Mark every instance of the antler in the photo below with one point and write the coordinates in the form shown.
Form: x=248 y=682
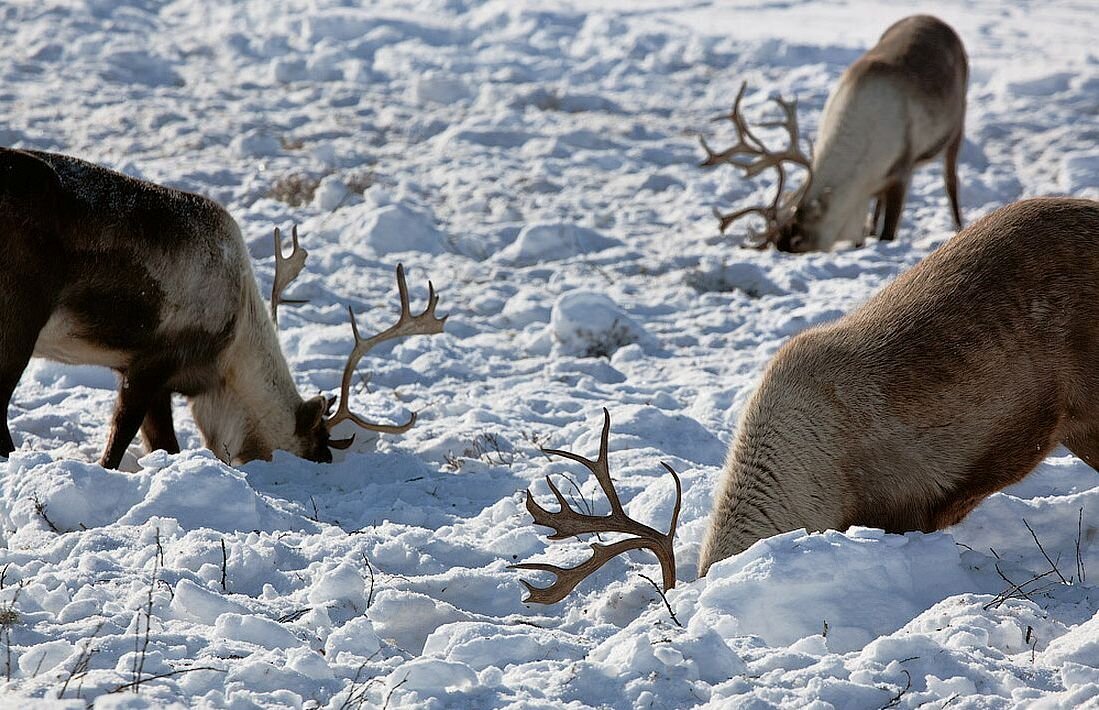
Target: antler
x=423 y=324
x=567 y=522
x=780 y=212
x=287 y=269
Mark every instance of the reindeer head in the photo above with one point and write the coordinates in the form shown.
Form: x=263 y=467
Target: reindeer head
x=788 y=224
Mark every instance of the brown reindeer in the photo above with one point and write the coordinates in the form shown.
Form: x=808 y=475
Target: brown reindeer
x=899 y=105
x=951 y=383
x=954 y=381
x=155 y=283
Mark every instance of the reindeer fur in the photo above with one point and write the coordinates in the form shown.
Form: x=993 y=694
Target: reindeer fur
x=155 y=283
x=899 y=105
x=954 y=381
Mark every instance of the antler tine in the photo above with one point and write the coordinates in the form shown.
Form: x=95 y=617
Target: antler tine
x=599 y=466
x=424 y=323
x=567 y=578
x=287 y=268
x=567 y=522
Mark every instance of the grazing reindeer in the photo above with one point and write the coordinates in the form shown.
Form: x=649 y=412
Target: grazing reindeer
x=953 y=382
x=156 y=283
x=899 y=105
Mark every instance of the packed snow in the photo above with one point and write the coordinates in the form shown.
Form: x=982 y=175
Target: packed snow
x=538 y=162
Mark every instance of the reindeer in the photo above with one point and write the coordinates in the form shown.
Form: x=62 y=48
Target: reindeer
x=900 y=104
x=156 y=283
x=951 y=383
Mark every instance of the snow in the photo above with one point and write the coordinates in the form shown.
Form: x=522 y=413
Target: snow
x=538 y=162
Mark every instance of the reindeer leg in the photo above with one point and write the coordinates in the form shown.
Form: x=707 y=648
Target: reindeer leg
x=894 y=206
x=950 y=173
x=138 y=392
x=16 y=353
x=872 y=225
x=8 y=381
x=157 y=429
x=23 y=316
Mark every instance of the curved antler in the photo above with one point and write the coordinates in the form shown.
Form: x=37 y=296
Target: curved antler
x=287 y=269
x=567 y=522
x=780 y=212
x=424 y=323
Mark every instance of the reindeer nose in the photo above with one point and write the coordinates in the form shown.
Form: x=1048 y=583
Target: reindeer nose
x=791 y=242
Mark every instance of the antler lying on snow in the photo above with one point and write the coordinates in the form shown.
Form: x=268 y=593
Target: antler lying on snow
x=567 y=522
x=780 y=213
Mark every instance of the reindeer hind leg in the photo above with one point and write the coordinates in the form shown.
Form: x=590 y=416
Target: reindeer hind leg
x=950 y=175
x=138 y=392
x=158 y=429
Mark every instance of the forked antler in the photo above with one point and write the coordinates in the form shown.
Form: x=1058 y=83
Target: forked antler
x=287 y=269
x=567 y=522
x=423 y=324
x=780 y=212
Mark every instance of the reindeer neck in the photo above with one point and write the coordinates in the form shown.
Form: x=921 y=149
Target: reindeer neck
x=252 y=412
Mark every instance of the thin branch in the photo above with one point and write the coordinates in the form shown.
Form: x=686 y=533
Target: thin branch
x=663 y=598
x=159 y=676
x=1039 y=544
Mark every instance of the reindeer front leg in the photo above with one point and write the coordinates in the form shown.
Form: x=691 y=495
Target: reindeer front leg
x=139 y=391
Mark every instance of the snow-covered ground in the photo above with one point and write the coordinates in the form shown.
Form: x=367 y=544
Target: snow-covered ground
x=537 y=160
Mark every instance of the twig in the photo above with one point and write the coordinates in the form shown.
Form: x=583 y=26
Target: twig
x=83 y=663
x=141 y=648
x=1039 y=544
x=1080 y=571
x=1016 y=591
x=360 y=697
x=668 y=606
x=294 y=615
x=897 y=698
x=392 y=690
x=370 y=569
x=40 y=508
x=159 y=676
x=224 y=566
x=10 y=617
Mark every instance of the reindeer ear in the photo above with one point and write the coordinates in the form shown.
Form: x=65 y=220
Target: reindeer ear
x=310 y=414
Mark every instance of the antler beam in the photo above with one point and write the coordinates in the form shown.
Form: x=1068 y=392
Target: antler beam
x=567 y=522
x=424 y=323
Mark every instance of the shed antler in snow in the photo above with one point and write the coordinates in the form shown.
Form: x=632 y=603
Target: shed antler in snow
x=567 y=522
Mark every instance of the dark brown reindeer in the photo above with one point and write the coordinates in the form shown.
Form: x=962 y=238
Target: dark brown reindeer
x=951 y=383
x=901 y=104
x=156 y=283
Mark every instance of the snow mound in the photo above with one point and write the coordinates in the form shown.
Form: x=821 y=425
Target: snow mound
x=394 y=228
x=862 y=585
x=587 y=324
x=549 y=241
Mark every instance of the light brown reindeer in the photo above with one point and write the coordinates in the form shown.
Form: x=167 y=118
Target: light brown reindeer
x=951 y=383
x=155 y=283
x=900 y=104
